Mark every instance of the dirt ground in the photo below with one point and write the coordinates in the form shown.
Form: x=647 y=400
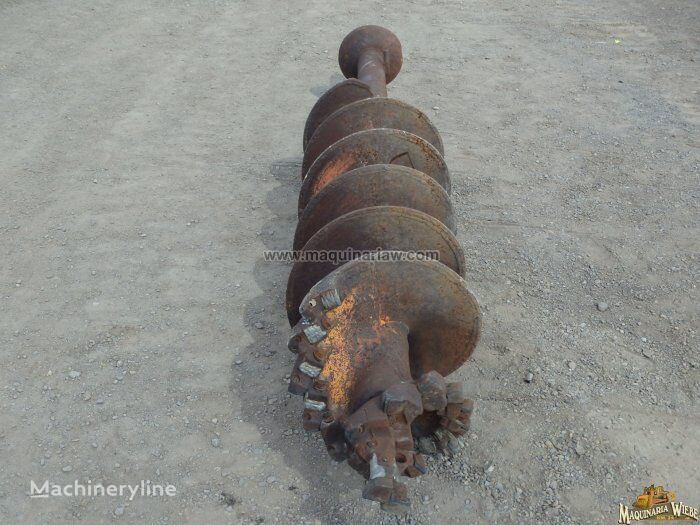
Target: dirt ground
x=149 y=154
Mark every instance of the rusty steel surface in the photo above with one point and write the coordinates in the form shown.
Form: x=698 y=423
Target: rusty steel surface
x=375 y=185
x=441 y=314
x=386 y=227
x=375 y=336
x=370 y=57
x=368 y=114
x=343 y=93
x=372 y=54
x=382 y=337
x=373 y=146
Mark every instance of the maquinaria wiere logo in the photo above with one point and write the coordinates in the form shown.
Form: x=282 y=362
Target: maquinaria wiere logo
x=656 y=503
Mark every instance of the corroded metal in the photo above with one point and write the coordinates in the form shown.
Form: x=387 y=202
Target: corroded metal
x=346 y=92
x=370 y=57
x=376 y=336
x=372 y=54
x=374 y=185
x=373 y=146
x=368 y=114
x=399 y=329
x=387 y=227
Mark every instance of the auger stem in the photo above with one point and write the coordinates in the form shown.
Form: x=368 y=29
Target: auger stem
x=370 y=70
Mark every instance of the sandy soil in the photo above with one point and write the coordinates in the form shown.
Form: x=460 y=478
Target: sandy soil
x=149 y=154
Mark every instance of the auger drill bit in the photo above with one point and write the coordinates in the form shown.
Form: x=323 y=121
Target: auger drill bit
x=376 y=336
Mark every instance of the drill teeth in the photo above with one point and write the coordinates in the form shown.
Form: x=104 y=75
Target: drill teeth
x=379 y=306
x=314 y=333
x=309 y=369
x=330 y=299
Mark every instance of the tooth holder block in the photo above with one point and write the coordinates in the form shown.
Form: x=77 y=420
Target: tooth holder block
x=375 y=337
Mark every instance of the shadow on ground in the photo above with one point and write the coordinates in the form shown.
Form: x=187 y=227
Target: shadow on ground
x=267 y=362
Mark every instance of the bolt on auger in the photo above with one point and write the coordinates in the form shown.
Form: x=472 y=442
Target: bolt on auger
x=376 y=336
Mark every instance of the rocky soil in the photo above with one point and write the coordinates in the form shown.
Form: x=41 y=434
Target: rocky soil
x=149 y=154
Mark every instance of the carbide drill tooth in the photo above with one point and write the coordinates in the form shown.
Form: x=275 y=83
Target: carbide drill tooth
x=309 y=369
x=314 y=333
x=312 y=404
x=330 y=299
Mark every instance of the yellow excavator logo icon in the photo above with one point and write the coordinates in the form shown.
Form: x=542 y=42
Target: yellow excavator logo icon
x=654 y=496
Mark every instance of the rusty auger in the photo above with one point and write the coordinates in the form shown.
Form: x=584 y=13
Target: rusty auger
x=375 y=336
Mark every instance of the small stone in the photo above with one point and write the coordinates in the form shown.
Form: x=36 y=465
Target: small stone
x=238 y=362
x=489 y=469
x=647 y=353
x=529 y=377
x=572 y=365
x=580 y=450
x=100 y=401
x=425 y=498
x=119 y=510
x=259 y=325
x=67 y=468
x=271 y=479
x=427 y=446
x=602 y=306
x=215 y=442
x=86 y=396
x=74 y=374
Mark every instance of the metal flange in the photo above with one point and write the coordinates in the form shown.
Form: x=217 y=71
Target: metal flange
x=373 y=146
x=364 y=231
x=343 y=93
x=369 y=114
x=374 y=185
